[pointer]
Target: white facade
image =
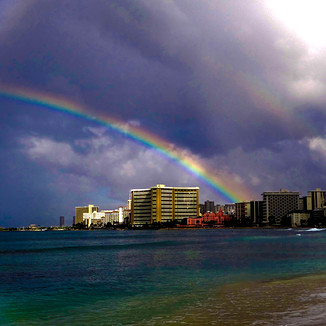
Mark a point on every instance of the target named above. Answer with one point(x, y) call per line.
point(117, 216)
point(93, 218)
point(112, 216)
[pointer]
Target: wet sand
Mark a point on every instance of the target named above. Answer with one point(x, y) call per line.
point(298, 301)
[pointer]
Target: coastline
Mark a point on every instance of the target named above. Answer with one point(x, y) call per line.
point(290, 301)
point(165, 228)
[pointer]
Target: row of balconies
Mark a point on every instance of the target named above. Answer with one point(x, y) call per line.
point(143, 193)
point(185, 206)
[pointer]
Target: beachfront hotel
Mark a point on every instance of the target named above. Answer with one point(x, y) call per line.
point(277, 204)
point(80, 210)
point(163, 204)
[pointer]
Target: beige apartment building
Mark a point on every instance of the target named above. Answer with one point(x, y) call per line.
point(163, 204)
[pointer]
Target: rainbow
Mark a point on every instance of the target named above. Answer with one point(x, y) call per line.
point(221, 184)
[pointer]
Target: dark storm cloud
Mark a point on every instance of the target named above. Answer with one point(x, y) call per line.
point(223, 79)
point(169, 64)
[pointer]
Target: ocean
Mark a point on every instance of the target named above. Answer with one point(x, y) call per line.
point(163, 277)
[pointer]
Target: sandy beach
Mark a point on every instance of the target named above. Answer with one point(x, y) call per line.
point(299, 301)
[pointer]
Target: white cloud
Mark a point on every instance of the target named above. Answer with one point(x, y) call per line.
point(49, 151)
point(318, 146)
point(117, 165)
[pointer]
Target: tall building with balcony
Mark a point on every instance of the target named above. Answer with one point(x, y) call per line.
point(317, 198)
point(277, 204)
point(163, 204)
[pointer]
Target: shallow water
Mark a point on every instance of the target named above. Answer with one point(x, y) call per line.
point(192, 277)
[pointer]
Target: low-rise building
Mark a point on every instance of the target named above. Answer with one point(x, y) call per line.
point(117, 216)
point(208, 219)
point(318, 217)
point(299, 218)
point(95, 218)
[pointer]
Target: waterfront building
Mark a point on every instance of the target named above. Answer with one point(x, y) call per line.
point(208, 219)
point(318, 217)
point(95, 218)
point(277, 204)
point(163, 204)
point(80, 210)
point(112, 216)
point(299, 218)
point(117, 216)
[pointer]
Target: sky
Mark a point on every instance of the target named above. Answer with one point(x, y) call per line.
point(237, 87)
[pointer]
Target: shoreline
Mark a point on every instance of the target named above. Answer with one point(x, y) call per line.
point(299, 301)
point(166, 228)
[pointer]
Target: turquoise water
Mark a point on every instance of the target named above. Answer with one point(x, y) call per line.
point(140, 277)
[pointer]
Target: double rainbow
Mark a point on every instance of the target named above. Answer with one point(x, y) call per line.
point(221, 184)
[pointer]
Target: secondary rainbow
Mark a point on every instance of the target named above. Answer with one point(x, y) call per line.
point(192, 165)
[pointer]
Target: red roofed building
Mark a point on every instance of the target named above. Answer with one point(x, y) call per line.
point(209, 219)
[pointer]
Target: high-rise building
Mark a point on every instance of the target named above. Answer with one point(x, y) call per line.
point(62, 221)
point(163, 204)
point(256, 211)
point(318, 198)
point(306, 203)
point(209, 206)
point(79, 211)
point(242, 211)
point(277, 204)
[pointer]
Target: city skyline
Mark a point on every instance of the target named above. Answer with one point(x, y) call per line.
point(232, 93)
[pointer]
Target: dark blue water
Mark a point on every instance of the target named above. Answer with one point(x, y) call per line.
point(130, 277)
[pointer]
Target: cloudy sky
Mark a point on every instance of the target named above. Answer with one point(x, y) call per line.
point(238, 85)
